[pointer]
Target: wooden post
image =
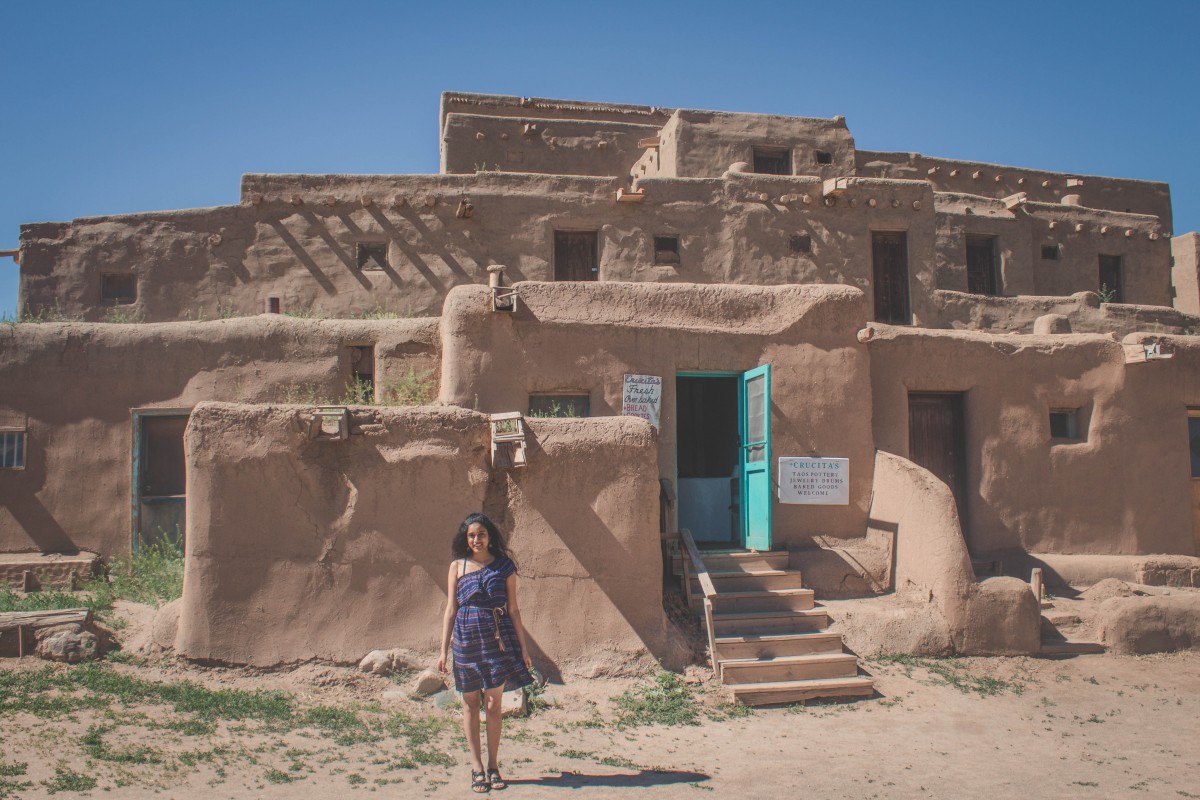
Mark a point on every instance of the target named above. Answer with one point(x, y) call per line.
point(20, 641)
point(1035, 583)
point(712, 644)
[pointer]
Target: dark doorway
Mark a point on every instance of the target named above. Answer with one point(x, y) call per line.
point(936, 441)
point(576, 256)
point(159, 477)
point(708, 448)
point(1111, 283)
point(981, 265)
point(889, 256)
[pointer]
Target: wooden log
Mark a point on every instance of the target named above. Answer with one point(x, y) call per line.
point(15, 620)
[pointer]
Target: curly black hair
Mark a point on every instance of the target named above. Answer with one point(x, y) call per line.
point(496, 544)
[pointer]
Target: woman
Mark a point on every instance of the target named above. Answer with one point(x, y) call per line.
point(488, 638)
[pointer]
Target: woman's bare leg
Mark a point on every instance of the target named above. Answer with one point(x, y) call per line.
point(471, 728)
point(492, 700)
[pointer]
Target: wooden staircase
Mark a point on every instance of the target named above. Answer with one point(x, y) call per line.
point(767, 638)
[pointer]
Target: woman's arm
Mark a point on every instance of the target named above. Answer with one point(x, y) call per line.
point(451, 611)
point(514, 611)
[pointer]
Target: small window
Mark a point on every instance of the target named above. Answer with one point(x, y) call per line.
point(1049, 252)
point(12, 448)
point(118, 288)
point(559, 405)
point(772, 161)
point(666, 249)
point(824, 157)
point(372, 256)
point(800, 243)
point(1064, 423)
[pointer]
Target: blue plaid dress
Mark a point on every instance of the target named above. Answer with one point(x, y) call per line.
point(486, 651)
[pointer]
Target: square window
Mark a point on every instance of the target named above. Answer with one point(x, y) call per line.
point(118, 288)
point(666, 249)
point(1064, 423)
point(800, 243)
point(12, 448)
point(772, 161)
point(824, 157)
point(1049, 252)
point(559, 405)
point(372, 256)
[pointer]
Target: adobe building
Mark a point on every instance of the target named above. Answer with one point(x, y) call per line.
point(854, 373)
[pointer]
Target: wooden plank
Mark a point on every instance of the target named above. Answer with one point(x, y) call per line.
point(15, 620)
point(706, 584)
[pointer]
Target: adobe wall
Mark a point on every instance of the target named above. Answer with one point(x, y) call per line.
point(1185, 272)
point(73, 385)
point(1083, 311)
point(301, 549)
point(1152, 198)
point(585, 337)
point(1123, 490)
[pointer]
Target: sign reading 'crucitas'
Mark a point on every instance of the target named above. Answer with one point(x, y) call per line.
point(642, 397)
point(814, 481)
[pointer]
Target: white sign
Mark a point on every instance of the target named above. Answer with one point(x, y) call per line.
point(642, 397)
point(815, 481)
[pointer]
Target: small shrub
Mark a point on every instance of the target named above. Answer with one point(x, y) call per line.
point(359, 392)
point(154, 575)
point(66, 780)
point(412, 389)
point(277, 776)
point(666, 701)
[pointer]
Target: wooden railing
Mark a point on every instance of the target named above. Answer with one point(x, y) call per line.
point(691, 557)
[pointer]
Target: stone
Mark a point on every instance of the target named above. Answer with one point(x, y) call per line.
point(376, 662)
point(67, 643)
point(427, 682)
point(445, 700)
point(514, 703)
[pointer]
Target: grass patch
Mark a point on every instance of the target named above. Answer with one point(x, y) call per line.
point(67, 780)
point(341, 723)
point(95, 746)
point(153, 576)
point(618, 761)
point(665, 701)
point(51, 601)
point(278, 776)
point(950, 672)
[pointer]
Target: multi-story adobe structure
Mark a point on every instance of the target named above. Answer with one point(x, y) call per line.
point(985, 365)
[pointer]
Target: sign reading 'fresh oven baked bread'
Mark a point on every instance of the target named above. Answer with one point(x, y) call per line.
point(642, 397)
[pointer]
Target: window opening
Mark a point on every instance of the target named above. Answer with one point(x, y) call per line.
point(1111, 283)
point(372, 255)
point(772, 161)
point(981, 265)
point(576, 255)
point(1050, 252)
point(118, 288)
point(800, 243)
point(889, 256)
point(12, 448)
point(666, 249)
point(362, 375)
point(1064, 423)
point(559, 405)
point(1194, 439)
point(824, 157)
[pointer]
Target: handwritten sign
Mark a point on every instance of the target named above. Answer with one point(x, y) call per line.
point(814, 481)
point(642, 397)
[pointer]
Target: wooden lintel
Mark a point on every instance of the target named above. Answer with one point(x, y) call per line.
point(631, 195)
point(653, 141)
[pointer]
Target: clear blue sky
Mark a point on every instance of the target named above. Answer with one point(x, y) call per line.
point(119, 106)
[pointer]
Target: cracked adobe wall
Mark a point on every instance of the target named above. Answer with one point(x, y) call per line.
point(300, 549)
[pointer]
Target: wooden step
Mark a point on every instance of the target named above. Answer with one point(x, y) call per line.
point(740, 580)
point(761, 600)
point(766, 645)
point(761, 694)
point(743, 623)
point(749, 560)
point(811, 666)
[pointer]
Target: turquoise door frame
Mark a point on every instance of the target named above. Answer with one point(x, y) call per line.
point(754, 407)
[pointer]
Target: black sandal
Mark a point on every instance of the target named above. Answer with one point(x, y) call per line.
point(495, 781)
point(479, 782)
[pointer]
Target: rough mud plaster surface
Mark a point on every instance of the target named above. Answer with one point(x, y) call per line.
point(300, 549)
point(74, 384)
point(1083, 311)
point(1026, 492)
point(584, 338)
point(1185, 272)
point(1134, 625)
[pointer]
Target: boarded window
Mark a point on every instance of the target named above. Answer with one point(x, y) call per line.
point(1049, 252)
point(666, 249)
point(772, 161)
point(1064, 423)
point(118, 288)
point(800, 243)
point(1112, 285)
point(824, 157)
point(576, 255)
point(559, 405)
point(981, 265)
point(12, 448)
point(372, 255)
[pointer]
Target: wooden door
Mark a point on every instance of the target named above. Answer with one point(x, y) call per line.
point(889, 256)
point(756, 493)
point(576, 256)
point(936, 441)
point(981, 265)
point(1194, 446)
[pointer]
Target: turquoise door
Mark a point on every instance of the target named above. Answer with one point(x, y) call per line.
point(754, 403)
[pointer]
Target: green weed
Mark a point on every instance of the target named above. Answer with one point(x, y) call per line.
point(618, 761)
point(341, 723)
point(153, 576)
point(277, 776)
point(49, 601)
point(66, 780)
point(309, 394)
point(411, 389)
point(665, 701)
point(124, 315)
point(359, 392)
point(949, 672)
point(95, 746)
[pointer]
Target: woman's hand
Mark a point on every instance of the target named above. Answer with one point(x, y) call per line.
point(442, 663)
point(528, 661)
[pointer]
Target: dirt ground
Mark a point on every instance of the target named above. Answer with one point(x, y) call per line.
point(1094, 726)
